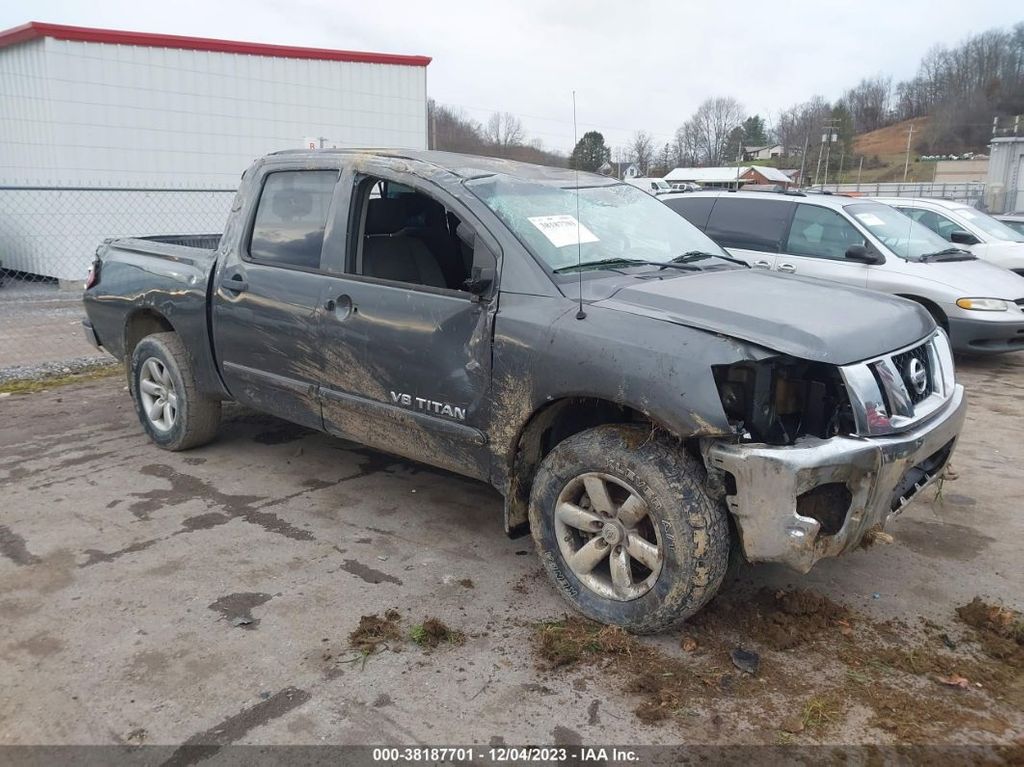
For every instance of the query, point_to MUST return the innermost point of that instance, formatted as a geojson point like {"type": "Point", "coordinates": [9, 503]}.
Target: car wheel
{"type": "Point", "coordinates": [171, 410]}
{"type": "Point", "coordinates": [626, 530]}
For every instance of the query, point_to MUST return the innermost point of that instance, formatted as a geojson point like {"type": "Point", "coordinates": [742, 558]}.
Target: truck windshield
{"type": "Point", "coordinates": [617, 223]}
{"type": "Point", "coordinates": [901, 234]}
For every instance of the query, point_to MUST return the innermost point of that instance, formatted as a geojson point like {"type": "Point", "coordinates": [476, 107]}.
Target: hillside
{"type": "Point", "coordinates": [890, 139]}
{"type": "Point", "coordinates": [889, 146]}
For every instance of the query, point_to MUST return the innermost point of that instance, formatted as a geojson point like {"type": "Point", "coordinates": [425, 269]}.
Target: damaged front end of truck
{"type": "Point", "coordinates": [824, 453]}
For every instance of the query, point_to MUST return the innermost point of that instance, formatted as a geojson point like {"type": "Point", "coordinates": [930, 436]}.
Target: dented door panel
{"type": "Point", "coordinates": [407, 370]}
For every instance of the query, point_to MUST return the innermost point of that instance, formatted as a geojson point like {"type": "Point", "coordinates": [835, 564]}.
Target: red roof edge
{"type": "Point", "coordinates": [36, 29]}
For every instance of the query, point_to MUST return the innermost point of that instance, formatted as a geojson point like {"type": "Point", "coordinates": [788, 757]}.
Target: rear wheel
{"type": "Point", "coordinates": [626, 530]}
{"type": "Point", "coordinates": [170, 408]}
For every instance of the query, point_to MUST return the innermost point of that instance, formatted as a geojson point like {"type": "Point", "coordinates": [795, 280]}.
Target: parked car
{"type": "Point", "coordinates": [867, 244]}
{"type": "Point", "coordinates": [653, 186]}
{"type": "Point", "coordinates": [643, 403]}
{"type": "Point", "coordinates": [1013, 220]}
{"type": "Point", "coordinates": [967, 227]}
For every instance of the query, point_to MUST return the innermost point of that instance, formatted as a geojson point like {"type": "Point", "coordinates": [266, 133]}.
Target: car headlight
{"type": "Point", "coordinates": [982, 304]}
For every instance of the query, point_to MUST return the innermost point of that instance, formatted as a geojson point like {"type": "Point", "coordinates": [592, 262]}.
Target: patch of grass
{"type": "Point", "coordinates": [32, 385]}
{"type": "Point", "coordinates": [374, 631]}
{"type": "Point", "coordinates": [432, 632]}
{"type": "Point", "coordinates": [820, 711]}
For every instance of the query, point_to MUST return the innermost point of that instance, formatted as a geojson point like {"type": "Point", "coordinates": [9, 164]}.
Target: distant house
{"type": "Point", "coordinates": [620, 170]}
{"type": "Point", "coordinates": [766, 152]}
{"type": "Point", "coordinates": [760, 174]}
{"type": "Point", "coordinates": [710, 178]}
{"type": "Point", "coordinates": [793, 174]}
{"type": "Point", "coordinates": [731, 177]}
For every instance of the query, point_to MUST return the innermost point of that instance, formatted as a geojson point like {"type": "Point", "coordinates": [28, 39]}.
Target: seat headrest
{"type": "Point", "coordinates": [385, 216]}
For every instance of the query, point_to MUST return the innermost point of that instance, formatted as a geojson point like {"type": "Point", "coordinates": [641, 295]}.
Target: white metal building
{"type": "Point", "coordinates": [107, 133]}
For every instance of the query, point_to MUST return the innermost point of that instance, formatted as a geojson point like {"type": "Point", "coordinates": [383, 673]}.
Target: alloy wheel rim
{"type": "Point", "coordinates": [158, 395]}
{"type": "Point", "coordinates": [607, 536]}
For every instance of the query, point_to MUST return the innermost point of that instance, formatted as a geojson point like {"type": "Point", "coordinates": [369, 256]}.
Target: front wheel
{"type": "Point", "coordinates": [172, 411]}
{"type": "Point", "coordinates": [625, 528]}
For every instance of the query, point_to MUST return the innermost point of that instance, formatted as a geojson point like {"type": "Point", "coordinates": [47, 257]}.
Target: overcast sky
{"type": "Point", "coordinates": [633, 63]}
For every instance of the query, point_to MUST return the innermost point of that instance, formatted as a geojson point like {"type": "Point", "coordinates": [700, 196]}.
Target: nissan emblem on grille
{"type": "Point", "coordinates": [917, 375]}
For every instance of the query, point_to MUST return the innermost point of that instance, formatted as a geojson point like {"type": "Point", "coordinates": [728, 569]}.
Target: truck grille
{"type": "Point", "coordinates": [914, 367]}
{"type": "Point", "coordinates": [893, 392]}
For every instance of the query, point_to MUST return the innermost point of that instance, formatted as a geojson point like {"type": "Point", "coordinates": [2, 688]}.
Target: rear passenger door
{"type": "Point", "coordinates": [267, 295]}
{"type": "Point", "coordinates": [750, 229]}
{"type": "Point", "coordinates": [816, 246]}
{"type": "Point", "coordinates": [406, 345]}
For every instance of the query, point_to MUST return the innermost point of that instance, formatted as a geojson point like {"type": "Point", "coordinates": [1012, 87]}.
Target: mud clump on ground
{"type": "Point", "coordinates": [999, 630]}
{"type": "Point", "coordinates": [780, 620]}
{"type": "Point", "coordinates": [664, 683]}
{"type": "Point", "coordinates": [432, 633]}
{"type": "Point", "coordinates": [374, 631]}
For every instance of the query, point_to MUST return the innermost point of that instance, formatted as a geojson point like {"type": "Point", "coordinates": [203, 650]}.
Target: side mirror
{"type": "Point", "coordinates": [481, 281]}
{"type": "Point", "coordinates": [960, 237]}
{"type": "Point", "coordinates": [863, 255]}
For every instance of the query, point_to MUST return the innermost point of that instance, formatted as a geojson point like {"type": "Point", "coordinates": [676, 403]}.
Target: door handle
{"type": "Point", "coordinates": [761, 265]}
{"type": "Point", "coordinates": [787, 268]}
{"type": "Point", "coordinates": [236, 283]}
{"type": "Point", "coordinates": [341, 307]}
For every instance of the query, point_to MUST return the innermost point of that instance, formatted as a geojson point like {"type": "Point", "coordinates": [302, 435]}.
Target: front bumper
{"type": "Point", "coordinates": [986, 337]}
{"type": "Point", "coordinates": [771, 485]}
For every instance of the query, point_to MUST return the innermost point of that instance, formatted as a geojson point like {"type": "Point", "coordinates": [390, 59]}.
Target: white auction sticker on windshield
{"type": "Point", "coordinates": [870, 219]}
{"type": "Point", "coordinates": [561, 231]}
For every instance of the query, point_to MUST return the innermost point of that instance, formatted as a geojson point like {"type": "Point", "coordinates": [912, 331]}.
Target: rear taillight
{"type": "Point", "coordinates": [93, 276]}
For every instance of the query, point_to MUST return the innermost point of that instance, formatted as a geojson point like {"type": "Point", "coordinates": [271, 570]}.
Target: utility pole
{"type": "Point", "coordinates": [906, 165]}
{"type": "Point", "coordinates": [803, 158]}
{"type": "Point", "coordinates": [829, 135]}
{"type": "Point", "coordinates": [860, 170]}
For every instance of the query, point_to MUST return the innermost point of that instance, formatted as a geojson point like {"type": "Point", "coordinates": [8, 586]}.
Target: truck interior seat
{"type": "Point", "coordinates": [391, 252]}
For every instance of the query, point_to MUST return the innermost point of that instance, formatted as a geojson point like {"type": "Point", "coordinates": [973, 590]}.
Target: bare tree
{"type": "Point", "coordinates": [868, 103]}
{"type": "Point", "coordinates": [713, 122]}
{"type": "Point", "coordinates": [504, 130]}
{"type": "Point", "coordinates": [641, 151]}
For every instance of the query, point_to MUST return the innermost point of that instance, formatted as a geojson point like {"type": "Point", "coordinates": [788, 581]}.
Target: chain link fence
{"type": "Point", "coordinates": [970, 192]}
{"type": "Point", "coordinates": [48, 236]}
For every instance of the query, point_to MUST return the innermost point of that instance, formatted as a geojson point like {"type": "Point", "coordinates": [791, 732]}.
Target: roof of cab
{"type": "Point", "coordinates": [470, 165]}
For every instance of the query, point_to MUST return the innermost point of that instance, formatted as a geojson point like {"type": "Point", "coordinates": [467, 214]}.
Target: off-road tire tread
{"type": "Point", "coordinates": [704, 518]}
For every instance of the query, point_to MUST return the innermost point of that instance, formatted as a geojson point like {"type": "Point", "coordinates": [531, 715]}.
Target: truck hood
{"type": "Point", "coordinates": [800, 317]}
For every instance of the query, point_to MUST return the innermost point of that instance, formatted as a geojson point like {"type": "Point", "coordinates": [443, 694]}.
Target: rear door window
{"type": "Point", "coordinates": [750, 224]}
{"type": "Point", "coordinates": [291, 217]}
{"type": "Point", "coordinates": [821, 233]}
{"type": "Point", "coordinates": [694, 209]}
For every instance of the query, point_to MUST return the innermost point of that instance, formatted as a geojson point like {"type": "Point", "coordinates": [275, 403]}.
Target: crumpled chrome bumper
{"type": "Point", "coordinates": [773, 486]}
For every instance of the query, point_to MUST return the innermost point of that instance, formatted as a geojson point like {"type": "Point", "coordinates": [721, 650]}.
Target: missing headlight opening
{"type": "Point", "coordinates": [776, 401]}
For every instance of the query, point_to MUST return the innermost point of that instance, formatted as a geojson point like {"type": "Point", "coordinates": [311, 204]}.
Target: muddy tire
{"type": "Point", "coordinates": [167, 402]}
{"type": "Point", "coordinates": [648, 497]}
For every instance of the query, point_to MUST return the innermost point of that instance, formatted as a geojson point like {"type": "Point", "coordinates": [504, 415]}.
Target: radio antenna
{"type": "Point", "coordinates": [580, 314]}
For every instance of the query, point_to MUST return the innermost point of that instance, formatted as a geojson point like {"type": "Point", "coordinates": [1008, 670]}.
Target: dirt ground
{"type": "Point", "coordinates": [280, 586]}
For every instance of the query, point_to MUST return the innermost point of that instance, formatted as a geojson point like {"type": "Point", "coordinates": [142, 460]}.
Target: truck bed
{"type": "Point", "coordinates": [163, 276]}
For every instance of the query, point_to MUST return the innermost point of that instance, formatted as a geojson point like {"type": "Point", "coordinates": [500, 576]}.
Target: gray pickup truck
{"type": "Point", "coordinates": [646, 404]}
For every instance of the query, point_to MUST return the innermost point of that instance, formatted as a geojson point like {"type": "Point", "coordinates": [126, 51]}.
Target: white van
{"type": "Point", "coordinates": [857, 241]}
{"type": "Point", "coordinates": [962, 225]}
{"type": "Point", "coordinates": [650, 185]}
